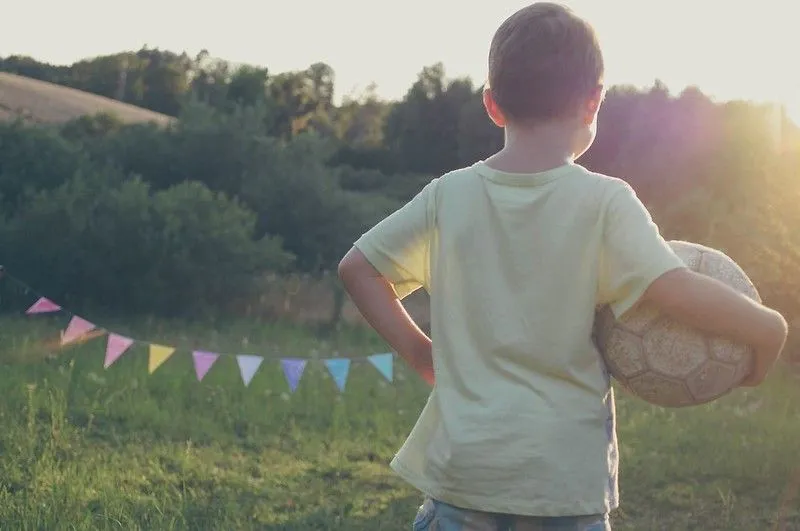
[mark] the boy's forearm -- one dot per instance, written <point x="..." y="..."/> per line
<point x="715" y="308"/>
<point x="376" y="300"/>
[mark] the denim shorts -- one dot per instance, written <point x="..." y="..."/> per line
<point x="434" y="515"/>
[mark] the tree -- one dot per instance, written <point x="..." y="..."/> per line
<point x="423" y="130"/>
<point x="273" y="159"/>
<point x="248" y="86"/>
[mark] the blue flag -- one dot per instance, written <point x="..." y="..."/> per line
<point x="384" y="364"/>
<point x="338" y="367"/>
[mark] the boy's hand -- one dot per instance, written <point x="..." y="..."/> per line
<point x="378" y="303"/>
<point x="765" y="357"/>
<point x="421" y="360"/>
<point x="758" y="373"/>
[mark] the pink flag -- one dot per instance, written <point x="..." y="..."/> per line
<point x="203" y="362"/>
<point x="117" y="345"/>
<point x="43" y="305"/>
<point x="76" y="328"/>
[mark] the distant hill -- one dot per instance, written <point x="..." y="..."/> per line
<point x="42" y="102"/>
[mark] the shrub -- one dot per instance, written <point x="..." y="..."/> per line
<point x="110" y="241"/>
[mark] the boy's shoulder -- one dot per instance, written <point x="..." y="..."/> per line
<point x="603" y="179"/>
<point x="465" y="172"/>
<point x="459" y="176"/>
<point x="596" y="183"/>
<point x="608" y="186"/>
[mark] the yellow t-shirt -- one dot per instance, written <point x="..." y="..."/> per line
<point x="521" y="419"/>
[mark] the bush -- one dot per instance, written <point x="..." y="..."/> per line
<point x="288" y="185"/>
<point x="299" y="198"/>
<point x="33" y="159"/>
<point x="105" y="240"/>
<point x="206" y="145"/>
<point x="87" y="129"/>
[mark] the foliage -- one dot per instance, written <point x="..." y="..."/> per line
<point x="103" y="238"/>
<point x="34" y="159"/>
<point x="313" y="174"/>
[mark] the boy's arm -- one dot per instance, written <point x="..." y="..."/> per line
<point x="709" y="305"/>
<point x="639" y="265"/>
<point x="388" y="263"/>
<point x="375" y="298"/>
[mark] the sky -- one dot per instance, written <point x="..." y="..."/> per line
<point x="731" y="50"/>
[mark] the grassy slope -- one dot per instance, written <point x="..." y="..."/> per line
<point x="118" y="449"/>
<point x="42" y="102"/>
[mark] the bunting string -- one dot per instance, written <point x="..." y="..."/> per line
<point x="79" y="330"/>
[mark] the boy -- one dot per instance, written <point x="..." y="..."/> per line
<point x="517" y="252"/>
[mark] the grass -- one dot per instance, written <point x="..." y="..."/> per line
<point x="88" y="448"/>
<point x="42" y="102"/>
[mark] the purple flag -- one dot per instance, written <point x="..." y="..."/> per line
<point x="293" y="370"/>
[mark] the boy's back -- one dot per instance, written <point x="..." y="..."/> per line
<point x="521" y="418"/>
<point x="519" y="432"/>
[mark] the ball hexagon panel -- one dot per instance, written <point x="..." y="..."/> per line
<point x="674" y="350"/>
<point x="719" y="266"/>
<point x="628" y="357"/>
<point x="661" y="390"/>
<point x="691" y="254"/>
<point x="728" y="351"/>
<point x="711" y="381"/>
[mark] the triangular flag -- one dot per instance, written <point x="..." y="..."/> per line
<point x="203" y="362"/>
<point x="76" y="328"/>
<point x="248" y="365"/>
<point x="158" y="355"/>
<point x="43" y="305"/>
<point x="338" y="367"/>
<point x="116" y="346"/>
<point x="293" y="370"/>
<point x="384" y="364"/>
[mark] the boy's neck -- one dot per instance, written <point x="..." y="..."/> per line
<point x="535" y="150"/>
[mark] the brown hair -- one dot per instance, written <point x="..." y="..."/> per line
<point x="542" y="61"/>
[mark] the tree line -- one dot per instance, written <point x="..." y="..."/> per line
<point x="264" y="174"/>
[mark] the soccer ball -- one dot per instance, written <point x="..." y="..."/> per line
<point x="666" y="363"/>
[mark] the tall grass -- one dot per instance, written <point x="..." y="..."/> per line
<point x="88" y="448"/>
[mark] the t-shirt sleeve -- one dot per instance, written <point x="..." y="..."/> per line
<point x="399" y="246"/>
<point x="633" y="254"/>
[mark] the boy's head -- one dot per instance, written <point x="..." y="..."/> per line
<point x="545" y="65"/>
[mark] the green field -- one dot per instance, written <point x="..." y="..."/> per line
<point x="88" y="448"/>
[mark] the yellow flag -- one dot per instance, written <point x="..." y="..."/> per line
<point x="158" y="355"/>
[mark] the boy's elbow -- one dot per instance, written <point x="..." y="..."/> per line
<point x="779" y="328"/>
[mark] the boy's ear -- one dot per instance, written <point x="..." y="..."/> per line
<point x="593" y="104"/>
<point x="494" y="112"/>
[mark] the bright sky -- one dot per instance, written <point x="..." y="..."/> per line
<point x="729" y="49"/>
